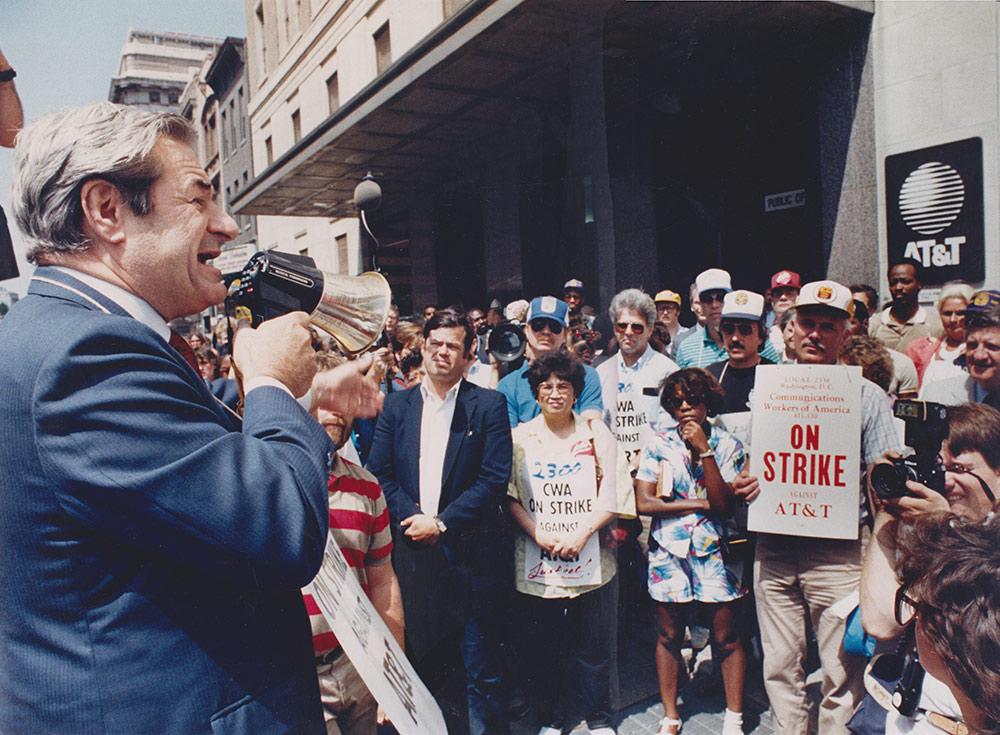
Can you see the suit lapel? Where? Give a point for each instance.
(56, 284)
(465, 407)
(410, 442)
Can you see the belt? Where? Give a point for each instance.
(329, 657)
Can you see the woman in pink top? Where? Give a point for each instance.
(944, 350)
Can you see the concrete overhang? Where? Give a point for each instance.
(427, 114)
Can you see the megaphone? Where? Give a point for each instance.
(351, 309)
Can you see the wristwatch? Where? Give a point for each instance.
(440, 524)
(7, 75)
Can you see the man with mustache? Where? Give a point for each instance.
(982, 357)
(799, 576)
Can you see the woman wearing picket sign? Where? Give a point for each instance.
(683, 482)
(567, 484)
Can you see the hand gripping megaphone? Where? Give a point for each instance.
(351, 309)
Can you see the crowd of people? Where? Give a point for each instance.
(660, 429)
(488, 500)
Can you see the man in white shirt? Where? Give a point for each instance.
(442, 454)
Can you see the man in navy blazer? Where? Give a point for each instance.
(151, 547)
(442, 453)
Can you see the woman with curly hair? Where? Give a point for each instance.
(950, 572)
(683, 482)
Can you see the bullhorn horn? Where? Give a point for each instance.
(351, 309)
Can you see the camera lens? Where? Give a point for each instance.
(889, 480)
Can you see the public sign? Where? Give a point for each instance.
(934, 210)
(233, 257)
(563, 493)
(806, 436)
(370, 646)
(785, 200)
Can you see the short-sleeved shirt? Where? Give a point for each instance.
(925, 322)
(614, 494)
(359, 523)
(700, 350)
(694, 533)
(523, 406)
(737, 384)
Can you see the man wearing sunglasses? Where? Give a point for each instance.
(630, 379)
(971, 458)
(743, 335)
(705, 345)
(545, 330)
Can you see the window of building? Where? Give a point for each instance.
(296, 126)
(333, 92)
(243, 115)
(341, 253)
(225, 138)
(174, 98)
(154, 97)
(246, 178)
(261, 38)
(233, 113)
(268, 150)
(383, 50)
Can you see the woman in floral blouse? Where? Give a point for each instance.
(683, 482)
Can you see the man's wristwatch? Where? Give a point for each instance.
(7, 75)
(440, 525)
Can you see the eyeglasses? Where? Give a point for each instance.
(708, 298)
(675, 401)
(744, 328)
(624, 327)
(958, 469)
(538, 325)
(562, 389)
(905, 607)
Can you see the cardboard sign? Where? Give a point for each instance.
(371, 648)
(563, 492)
(806, 437)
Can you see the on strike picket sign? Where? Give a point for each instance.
(563, 493)
(806, 438)
(374, 652)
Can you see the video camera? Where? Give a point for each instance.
(506, 346)
(926, 428)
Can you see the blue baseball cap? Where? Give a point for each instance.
(549, 307)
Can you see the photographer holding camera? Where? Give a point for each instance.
(967, 479)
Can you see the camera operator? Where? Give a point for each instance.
(970, 457)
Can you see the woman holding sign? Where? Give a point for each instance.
(683, 482)
(566, 485)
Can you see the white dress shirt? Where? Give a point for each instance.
(435, 428)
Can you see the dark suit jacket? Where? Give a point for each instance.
(151, 551)
(469, 567)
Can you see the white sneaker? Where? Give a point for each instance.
(550, 731)
(603, 731)
(732, 723)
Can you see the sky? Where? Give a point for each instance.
(65, 54)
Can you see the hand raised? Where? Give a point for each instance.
(349, 390)
(281, 349)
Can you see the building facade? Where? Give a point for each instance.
(519, 143)
(154, 68)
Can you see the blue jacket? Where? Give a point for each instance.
(470, 565)
(151, 549)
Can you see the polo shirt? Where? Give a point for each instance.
(700, 350)
(925, 322)
(522, 405)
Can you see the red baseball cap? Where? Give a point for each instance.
(786, 279)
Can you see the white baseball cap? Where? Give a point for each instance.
(826, 293)
(714, 279)
(743, 305)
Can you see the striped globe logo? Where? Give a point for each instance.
(931, 198)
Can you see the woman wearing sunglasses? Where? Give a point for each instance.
(683, 482)
(970, 455)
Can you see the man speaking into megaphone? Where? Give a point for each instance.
(152, 544)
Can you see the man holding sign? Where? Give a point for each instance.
(809, 553)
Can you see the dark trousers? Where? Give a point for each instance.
(479, 644)
(572, 648)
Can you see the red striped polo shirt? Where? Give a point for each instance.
(359, 523)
